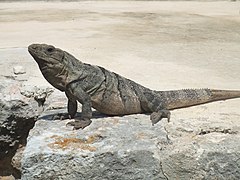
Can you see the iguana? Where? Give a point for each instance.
(110, 93)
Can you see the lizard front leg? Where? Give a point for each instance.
(75, 93)
(72, 110)
(72, 107)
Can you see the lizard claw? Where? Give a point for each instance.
(157, 116)
(79, 123)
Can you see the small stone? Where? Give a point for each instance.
(16, 160)
(11, 177)
(19, 70)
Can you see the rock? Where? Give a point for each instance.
(129, 147)
(111, 148)
(7, 177)
(210, 156)
(39, 94)
(19, 70)
(18, 114)
(16, 160)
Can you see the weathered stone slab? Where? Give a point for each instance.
(110, 148)
(129, 147)
(18, 113)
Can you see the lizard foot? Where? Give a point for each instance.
(157, 116)
(79, 123)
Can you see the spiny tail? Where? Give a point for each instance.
(191, 97)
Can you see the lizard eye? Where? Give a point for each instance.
(50, 49)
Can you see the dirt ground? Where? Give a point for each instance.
(162, 45)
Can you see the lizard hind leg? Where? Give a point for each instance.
(157, 116)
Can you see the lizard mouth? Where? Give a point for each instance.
(37, 54)
(32, 49)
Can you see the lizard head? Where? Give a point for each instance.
(46, 55)
(50, 61)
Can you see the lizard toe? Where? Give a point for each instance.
(79, 124)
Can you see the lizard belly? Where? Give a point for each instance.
(115, 104)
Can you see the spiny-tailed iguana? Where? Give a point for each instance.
(110, 93)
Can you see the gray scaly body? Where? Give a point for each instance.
(110, 93)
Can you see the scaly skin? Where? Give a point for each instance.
(110, 93)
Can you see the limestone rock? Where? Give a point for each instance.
(129, 147)
(19, 70)
(18, 113)
(17, 158)
(7, 177)
(209, 156)
(111, 148)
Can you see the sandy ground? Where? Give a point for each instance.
(162, 45)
